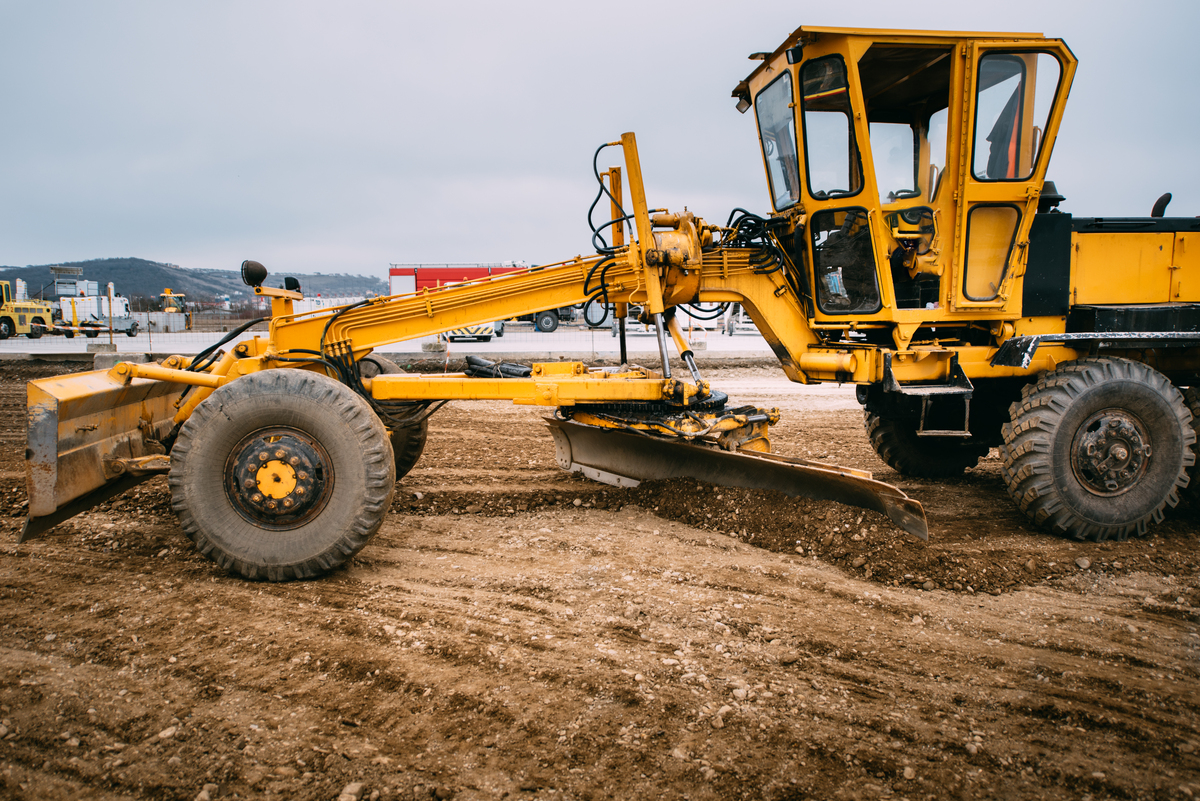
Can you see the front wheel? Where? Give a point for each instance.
(37, 327)
(6, 328)
(132, 331)
(408, 443)
(282, 474)
(1098, 448)
(897, 443)
(547, 321)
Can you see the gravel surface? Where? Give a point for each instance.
(517, 632)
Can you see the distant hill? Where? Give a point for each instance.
(133, 277)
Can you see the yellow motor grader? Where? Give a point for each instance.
(913, 248)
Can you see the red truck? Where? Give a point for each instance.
(404, 278)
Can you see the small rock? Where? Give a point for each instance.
(1118, 565)
(1132, 629)
(473, 509)
(917, 621)
(910, 774)
(1098, 775)
(1083, 562)
(800, 549)
(859, 561)
(286, 772)
(679, 753)
(172, 660)
(972, 749)
(718, 722)
(740, 693)
(352, 792)
(50, 637)
(389, 630)
(167, 733)
(929, 585)
(204, 795)
(578, 502)
(1185, 748)
(639, 678)
(419, 495)
(670, 661)
(1031, 565)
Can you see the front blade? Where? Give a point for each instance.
(625, 459)
(78, 425)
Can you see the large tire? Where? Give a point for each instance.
(897, 443)
(1191, 493)
(407, 443)
(7, 329)
(37, 327)
(546, 321)
(298, 429)
(1098, 448)
(90, 334)
(132, 331)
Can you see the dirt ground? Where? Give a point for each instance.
(517, 632)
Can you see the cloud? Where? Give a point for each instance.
(346, 136)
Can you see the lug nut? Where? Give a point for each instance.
(249, 483)
(256, 498)
(279, 454)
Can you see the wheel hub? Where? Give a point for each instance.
(1111, 452)
(278, 478)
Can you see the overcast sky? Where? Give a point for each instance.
(339, 137)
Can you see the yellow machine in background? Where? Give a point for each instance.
(913, 248)
(33, 318)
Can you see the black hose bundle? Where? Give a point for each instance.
(748, 230)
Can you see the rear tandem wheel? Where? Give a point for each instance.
(1098, 448)
(282, 474)
(897, 443)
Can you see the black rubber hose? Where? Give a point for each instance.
(196, 365)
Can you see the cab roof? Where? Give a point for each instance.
(811, 33)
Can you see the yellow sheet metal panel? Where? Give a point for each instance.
(1185, 278)
(1121, 268)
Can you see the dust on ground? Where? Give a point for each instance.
(517, 632)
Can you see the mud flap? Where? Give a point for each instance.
(625, 459)
(79, 426)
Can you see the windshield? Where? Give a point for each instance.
(776, 126)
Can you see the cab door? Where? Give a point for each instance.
(1015, 98)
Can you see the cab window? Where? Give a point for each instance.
(830, 152)
(1014, 94)
(776, 127)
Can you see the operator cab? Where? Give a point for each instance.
(910, 164)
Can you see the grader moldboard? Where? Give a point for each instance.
(914, 248)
